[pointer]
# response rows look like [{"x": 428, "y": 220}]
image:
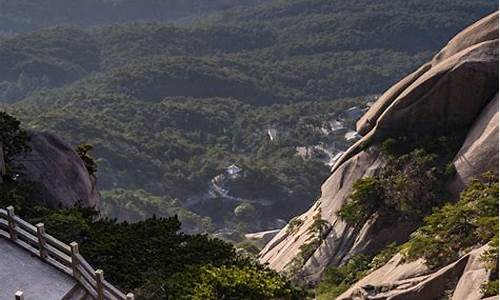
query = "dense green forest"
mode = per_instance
[
  {"x": 28, "y": 15},
  {"x": 167, "y": 108}
]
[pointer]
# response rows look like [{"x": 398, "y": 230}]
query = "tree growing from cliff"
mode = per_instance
[
  {"x": 83, "y": 150},
  {"x": 456, "y": 227},
  {"x": 410, "y": 184},
  {"x": 13, "y": 141},
  {"x": 364, "y": 200}
]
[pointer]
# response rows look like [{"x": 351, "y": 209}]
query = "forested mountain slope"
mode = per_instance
[
  {"x": 168, "y": 108},
  {"x": 28, "y": 15}
]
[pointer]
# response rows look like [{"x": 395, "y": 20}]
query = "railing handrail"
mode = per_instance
[{"x": 64, "y": 257}]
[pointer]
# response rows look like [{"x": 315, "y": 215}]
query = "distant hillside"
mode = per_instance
[
  {"x": 281, "y": 51},
  {"x": 28, "y": 15},
  {"x": 168, "y": 108}
]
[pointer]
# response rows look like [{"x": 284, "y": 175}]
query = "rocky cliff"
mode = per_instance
[
  {"x": 57, "y": 172},
  {"x": 455, "y": 92}
]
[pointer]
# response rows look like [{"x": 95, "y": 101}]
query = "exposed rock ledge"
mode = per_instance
[
  {"x": 454, "y": 90},
  {"x": 397, "y": 280}
]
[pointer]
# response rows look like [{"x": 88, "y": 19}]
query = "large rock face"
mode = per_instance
[
  {"x": 479, "y": 152},
  {"x": 452, "y": 92},
  {"x": 59, "y": 175},
  {"x": 430, "y": 81}
]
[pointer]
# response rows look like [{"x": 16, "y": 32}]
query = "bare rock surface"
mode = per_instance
[
  {"x": 58, "y": 173},
  {"x": 479, "y": 152},
  {"x": 368, "y": 120}
]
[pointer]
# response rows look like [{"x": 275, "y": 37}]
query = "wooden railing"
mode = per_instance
[{"x": 64, "y": 257}]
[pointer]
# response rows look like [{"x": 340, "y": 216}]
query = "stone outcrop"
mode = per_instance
[
  {"x": 479, "y": 152},
  {"x": 398, "y": 280},
  {"x": 453, "y": 92},
  {"x": 450, "y": 58},
  {"x": 57, "y": 172}
]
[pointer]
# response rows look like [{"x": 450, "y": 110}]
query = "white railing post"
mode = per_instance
[
  {"x": 99, "y": 276},
  {"x": 19, "y": 295},
  {"x": 130, "y": 296},
  {"x": 42, "y": 248},
  {"x": 12, "y": 223},
  {"x": 74, "y": 260}
]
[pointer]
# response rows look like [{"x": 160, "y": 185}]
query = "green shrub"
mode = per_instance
[
  {"x": 13, "y": 140},
  {"x": 83, "y": 150},
  {"x": 457, "y": 227},
  {"x": 319, "y": 227},
  {"x": 294, "y": 225},
  {"x": 364, "y": 199},
  {"x": 251, "y": 282},
  {"x": 490, "y": 288},
  {"x": 413, "y": 183},
  {"x": 409, "y": 185},
  {"x": 306, "y": 250},
  {"x": 390, "y": 146},
  {"x": 245, "y": 211},
  {"x": 337, "y": 280},
  {"x": 317, "y": 232},
  {"x": 384, "y": 256}
]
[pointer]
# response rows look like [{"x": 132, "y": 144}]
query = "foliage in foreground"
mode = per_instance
[
  {"x": 410, "y": 184},
  {"x": 456, "y": 228},
  {"x": 155, "y": 260},
  {"x": 249, "y": 281},
  {"x": 337, "y": 280}
]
